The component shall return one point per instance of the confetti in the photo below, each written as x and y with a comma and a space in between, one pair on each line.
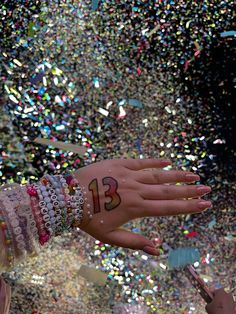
228, 34
93, 275
182, 257
120, 80
135, 103
80, 150
211, 224
95, 4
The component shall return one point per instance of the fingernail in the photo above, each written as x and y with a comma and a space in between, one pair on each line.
204, 204
201, 189
166, 162
192, 177
151, 250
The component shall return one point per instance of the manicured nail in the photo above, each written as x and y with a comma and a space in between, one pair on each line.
151, 250
192, 177
202, 189
204, 205
166, 162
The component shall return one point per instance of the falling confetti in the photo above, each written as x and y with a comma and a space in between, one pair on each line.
121, 80
182, 257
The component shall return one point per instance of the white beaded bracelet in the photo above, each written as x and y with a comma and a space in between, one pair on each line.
59, 192
13, 222
22, 210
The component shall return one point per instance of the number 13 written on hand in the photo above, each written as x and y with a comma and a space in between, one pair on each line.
111, 192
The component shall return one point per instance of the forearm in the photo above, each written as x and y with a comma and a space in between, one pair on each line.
31, 215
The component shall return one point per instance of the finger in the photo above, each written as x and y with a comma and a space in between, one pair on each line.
127, 239
210, 308
171, 192
164, 176
218, 292
153, 208
139, 164
3, 297
221, 293
8, 293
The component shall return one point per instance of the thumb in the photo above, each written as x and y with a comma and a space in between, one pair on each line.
127, 239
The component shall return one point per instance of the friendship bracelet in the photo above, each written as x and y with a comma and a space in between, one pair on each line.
25, 213
21, 212
13, 226
49, 206
44, 209
8, 239
59, 204
62, 197
51, 203
44, 236
70, 199
14, 231
26, 220
20, 220
78, 197
30, 215
67, 198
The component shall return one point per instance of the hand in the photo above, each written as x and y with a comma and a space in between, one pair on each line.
119, 190
5, 297
223, 303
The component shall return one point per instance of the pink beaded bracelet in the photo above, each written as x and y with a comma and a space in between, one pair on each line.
43, 235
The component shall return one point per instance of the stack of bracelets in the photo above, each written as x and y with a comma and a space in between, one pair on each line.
31, 215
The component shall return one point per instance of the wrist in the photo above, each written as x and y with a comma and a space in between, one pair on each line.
79, 175
61, 202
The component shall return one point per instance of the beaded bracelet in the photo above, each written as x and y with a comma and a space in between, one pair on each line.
70, 197
13, 226
32, 214
77, 196
26, 220
64, 194
59, 204
8, 238
70, 204
50, 200
58, 207
43, 208
21, 219
44, 236
28, 238
27, 208
49, 206
66, 201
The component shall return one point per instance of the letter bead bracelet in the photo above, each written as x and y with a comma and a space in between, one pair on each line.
31, 215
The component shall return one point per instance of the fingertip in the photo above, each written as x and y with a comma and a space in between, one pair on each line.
166, 162
191, 177
203, 205
151, 250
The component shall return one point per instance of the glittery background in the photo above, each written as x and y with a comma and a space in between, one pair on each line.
124, 79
